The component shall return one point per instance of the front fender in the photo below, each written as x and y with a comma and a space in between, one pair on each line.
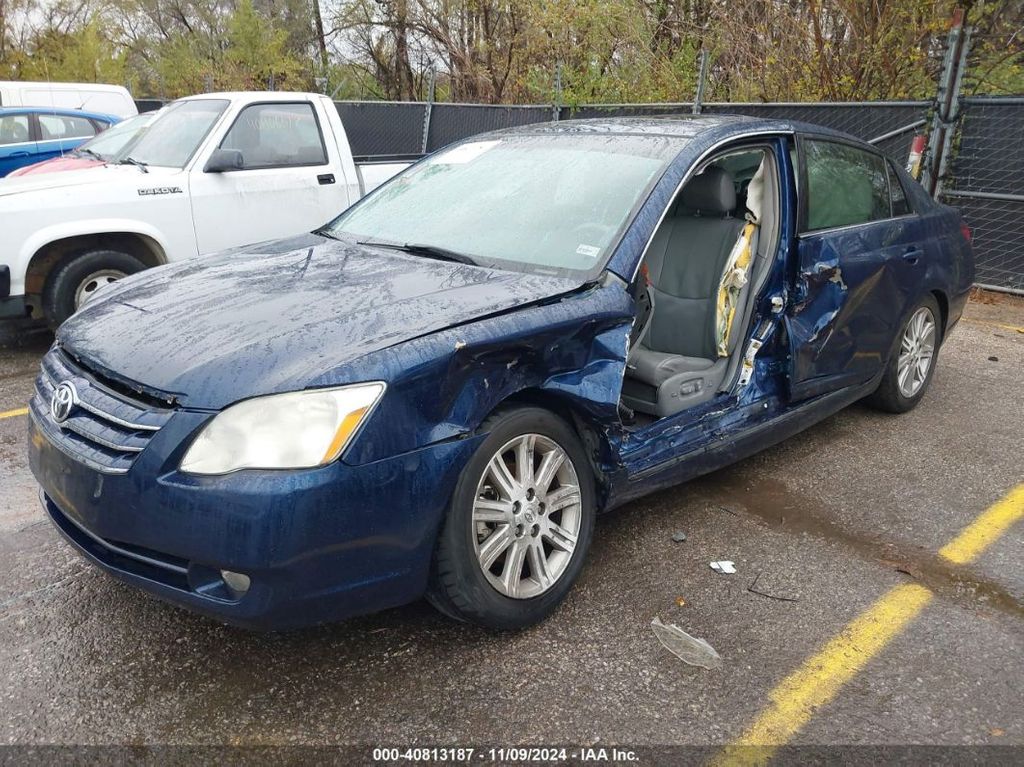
65, 229
442, 386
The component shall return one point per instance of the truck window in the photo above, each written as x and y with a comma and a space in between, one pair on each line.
277, 136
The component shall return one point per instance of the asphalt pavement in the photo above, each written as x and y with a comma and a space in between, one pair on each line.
819, 529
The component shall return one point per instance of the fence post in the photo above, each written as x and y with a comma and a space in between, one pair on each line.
556, 107
945, 100
428, 109
702, 73
951, 130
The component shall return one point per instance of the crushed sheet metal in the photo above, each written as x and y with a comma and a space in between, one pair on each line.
687, 648
725, 567
747, 371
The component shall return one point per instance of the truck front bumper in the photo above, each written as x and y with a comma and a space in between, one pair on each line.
10, 306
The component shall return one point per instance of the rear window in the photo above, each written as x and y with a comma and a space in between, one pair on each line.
845, 185
57, 127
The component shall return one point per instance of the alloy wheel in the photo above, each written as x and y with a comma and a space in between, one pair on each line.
527, 516
917, 349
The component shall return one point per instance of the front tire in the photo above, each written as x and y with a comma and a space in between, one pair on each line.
911, 364
77, 277
519, 524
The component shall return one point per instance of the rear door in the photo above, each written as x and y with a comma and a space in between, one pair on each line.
287, 184
17, 147
60, 134
856, 261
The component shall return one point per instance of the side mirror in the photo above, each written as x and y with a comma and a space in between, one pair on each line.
224, 160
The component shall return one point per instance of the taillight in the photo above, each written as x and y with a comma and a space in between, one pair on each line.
965, 231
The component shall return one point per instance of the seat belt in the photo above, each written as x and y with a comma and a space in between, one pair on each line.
645, 307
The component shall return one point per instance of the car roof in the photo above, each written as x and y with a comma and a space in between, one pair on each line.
261, 95
689, 127
61, 112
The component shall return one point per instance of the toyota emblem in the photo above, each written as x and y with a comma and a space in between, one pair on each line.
65, 397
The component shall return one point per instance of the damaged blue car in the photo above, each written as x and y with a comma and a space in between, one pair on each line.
437, 392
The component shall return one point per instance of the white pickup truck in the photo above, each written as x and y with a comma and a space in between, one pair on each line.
212, 172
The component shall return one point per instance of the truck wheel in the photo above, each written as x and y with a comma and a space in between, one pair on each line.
519, 524
912, 362
77, 278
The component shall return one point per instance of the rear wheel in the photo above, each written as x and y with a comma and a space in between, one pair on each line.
912, 363
76, 279
519, 524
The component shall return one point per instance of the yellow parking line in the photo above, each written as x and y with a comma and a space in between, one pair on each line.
977, 536
795, 700
1014, 328
13, 413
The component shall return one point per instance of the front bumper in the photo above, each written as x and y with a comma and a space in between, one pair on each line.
319, 545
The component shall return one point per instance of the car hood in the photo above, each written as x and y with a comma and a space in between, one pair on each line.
280, 317
54, 165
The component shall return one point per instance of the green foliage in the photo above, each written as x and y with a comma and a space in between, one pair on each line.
87, 55
509, 50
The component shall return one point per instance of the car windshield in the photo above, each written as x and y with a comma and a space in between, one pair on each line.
172, 138
552, 204
111, 141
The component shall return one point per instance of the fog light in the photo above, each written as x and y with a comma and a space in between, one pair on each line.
237, 582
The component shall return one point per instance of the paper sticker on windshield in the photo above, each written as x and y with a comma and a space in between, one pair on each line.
588, 250
464, 153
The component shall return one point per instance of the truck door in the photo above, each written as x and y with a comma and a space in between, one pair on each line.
857, 259
286, 184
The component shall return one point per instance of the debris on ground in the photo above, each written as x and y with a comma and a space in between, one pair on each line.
688, 649
993, 359
725, 567
752, 588
679, 537
680, 602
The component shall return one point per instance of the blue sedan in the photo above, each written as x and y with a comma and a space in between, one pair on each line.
32, 134
437, 392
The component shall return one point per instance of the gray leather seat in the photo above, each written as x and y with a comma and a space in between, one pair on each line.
675, 364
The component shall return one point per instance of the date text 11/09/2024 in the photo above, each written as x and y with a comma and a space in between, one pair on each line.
500, 755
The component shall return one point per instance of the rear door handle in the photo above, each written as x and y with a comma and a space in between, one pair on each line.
913, 255
325, 178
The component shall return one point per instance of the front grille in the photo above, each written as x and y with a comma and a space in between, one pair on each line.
106, 429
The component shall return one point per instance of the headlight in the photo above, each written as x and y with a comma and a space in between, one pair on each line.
297, 430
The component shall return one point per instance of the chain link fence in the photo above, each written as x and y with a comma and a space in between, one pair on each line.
986, 181
377, 129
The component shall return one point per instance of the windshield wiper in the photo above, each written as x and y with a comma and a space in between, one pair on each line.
96, 155
132, 161
418, 249
327, 233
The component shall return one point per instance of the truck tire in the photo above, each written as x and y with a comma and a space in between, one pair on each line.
73, 281
512, 546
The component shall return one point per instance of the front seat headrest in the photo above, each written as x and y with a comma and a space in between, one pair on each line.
710, 192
